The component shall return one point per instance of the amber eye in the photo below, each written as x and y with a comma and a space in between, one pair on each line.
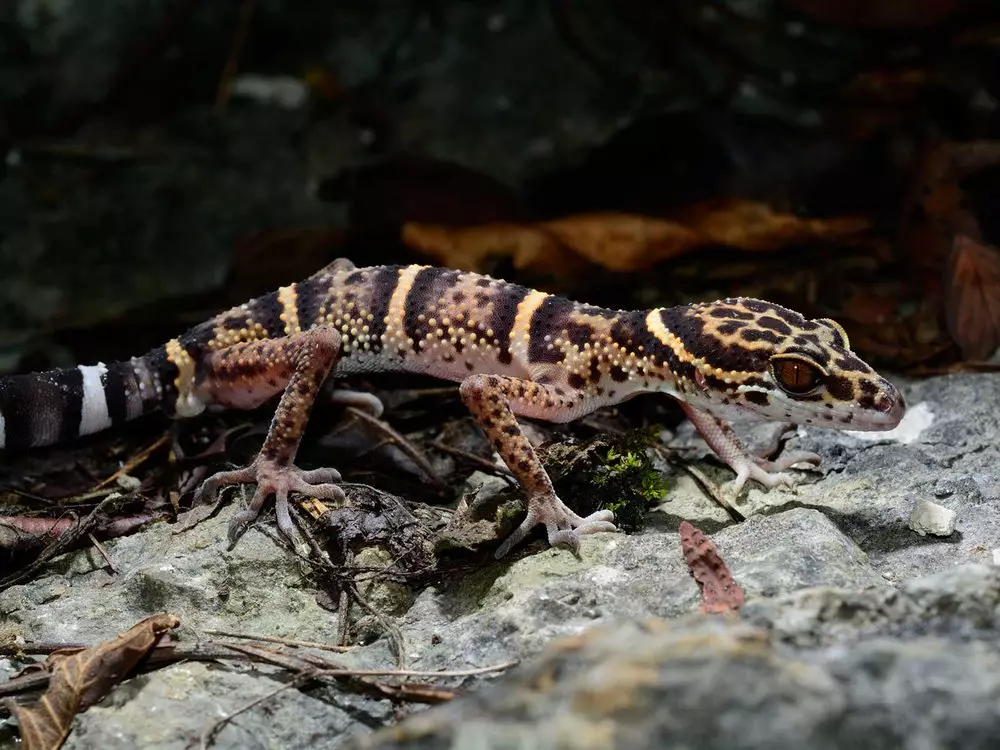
796, 375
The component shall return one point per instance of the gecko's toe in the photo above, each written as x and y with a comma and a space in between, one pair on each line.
272, 479
789, 460
563, 526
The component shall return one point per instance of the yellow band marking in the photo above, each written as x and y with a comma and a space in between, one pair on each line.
520, 332
288, 298
395, 334
187, 404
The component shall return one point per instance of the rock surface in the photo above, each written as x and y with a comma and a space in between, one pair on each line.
795, 677
857, 632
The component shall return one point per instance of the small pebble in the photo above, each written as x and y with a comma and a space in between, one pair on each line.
931, 518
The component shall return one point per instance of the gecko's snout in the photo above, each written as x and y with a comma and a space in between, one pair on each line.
892, 405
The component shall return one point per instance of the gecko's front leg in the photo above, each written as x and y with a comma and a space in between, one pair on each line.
493, 400
245, 375
721, 438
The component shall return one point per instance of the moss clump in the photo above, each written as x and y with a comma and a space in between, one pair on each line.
612, 471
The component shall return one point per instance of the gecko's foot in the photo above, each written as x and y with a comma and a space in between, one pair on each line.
271, 478
769, 473
564, 527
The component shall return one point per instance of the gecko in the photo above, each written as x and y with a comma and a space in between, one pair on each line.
515, 351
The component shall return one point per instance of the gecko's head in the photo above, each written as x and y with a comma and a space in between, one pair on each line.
751, 355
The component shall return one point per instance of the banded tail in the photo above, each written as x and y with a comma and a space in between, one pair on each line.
56, 406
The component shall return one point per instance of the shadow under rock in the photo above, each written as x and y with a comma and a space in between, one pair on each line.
870, 537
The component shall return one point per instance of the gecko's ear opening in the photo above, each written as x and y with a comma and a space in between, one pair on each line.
796, 375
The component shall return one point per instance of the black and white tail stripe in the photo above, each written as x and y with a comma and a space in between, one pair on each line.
60, 405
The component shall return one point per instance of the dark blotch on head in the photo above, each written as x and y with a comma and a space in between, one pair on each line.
774, 324
792, 317
756, 397
851, 364
729, 313
484, 282
755, 334
576, 381
618, 374
840, 388
757, 305
869, 387
730, 327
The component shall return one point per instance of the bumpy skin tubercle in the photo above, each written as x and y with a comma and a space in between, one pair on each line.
515, 351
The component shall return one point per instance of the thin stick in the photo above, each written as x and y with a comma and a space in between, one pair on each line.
136, 460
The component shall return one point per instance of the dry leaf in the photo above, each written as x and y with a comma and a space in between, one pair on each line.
81, 679
620, 241
972, 304
719, 590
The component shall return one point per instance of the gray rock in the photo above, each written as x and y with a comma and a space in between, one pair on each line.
708, 682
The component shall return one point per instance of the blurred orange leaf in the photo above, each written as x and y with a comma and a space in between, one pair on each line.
972, 305
621, 241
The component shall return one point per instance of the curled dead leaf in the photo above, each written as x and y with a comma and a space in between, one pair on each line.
719, 590
621, 241
972, 297
83, 678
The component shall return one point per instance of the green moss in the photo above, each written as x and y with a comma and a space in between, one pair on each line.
613, 472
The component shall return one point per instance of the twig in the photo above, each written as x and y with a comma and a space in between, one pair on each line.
283, 641
62, 542
305, 677
402, 443
102, 551
704, 482
484, 464
136, 460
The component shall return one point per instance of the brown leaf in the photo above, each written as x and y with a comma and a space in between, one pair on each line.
719, 590
621, 241
81, 679
972, 304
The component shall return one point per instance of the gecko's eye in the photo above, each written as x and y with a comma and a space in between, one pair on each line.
796, 375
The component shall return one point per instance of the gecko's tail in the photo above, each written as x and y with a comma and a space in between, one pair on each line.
56, 406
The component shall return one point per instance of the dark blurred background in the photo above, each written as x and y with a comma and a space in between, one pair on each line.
169, 158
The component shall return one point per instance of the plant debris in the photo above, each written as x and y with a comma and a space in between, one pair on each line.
82, 679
